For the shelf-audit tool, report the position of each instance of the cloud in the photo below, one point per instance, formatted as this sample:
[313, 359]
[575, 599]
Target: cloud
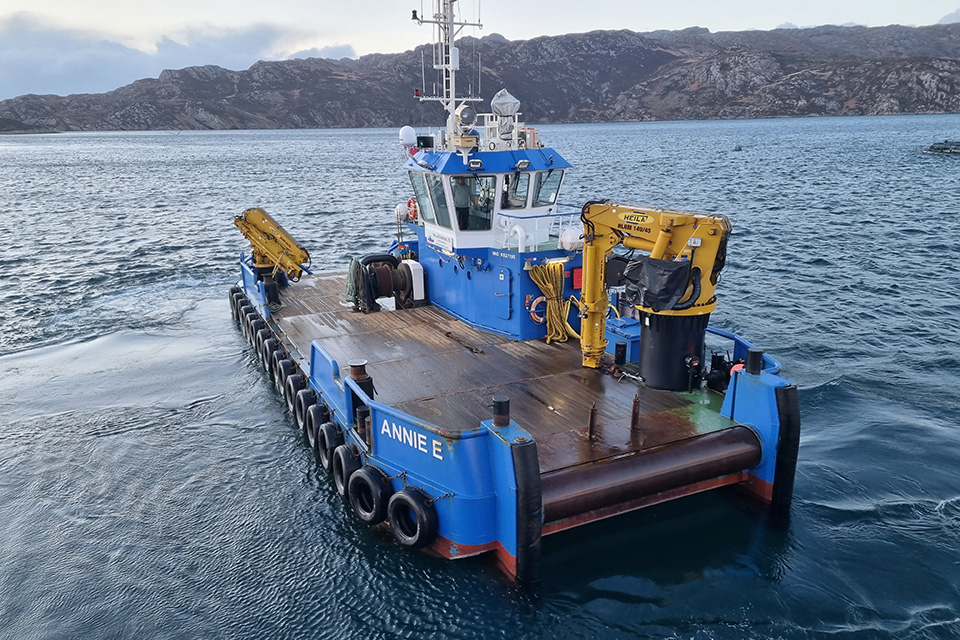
[36, 57]
[334, 53]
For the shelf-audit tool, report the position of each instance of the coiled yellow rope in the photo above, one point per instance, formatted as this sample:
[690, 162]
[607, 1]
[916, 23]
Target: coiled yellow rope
[549, 278]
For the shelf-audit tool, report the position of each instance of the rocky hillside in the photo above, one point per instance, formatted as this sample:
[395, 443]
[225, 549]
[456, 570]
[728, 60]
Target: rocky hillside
[598, 76]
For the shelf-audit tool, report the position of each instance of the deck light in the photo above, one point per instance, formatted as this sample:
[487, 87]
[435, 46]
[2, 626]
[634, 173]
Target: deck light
[476, 164]
[521, 165]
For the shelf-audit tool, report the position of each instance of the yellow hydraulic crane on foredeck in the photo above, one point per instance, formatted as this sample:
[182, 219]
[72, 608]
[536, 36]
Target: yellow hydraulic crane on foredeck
[273, 247]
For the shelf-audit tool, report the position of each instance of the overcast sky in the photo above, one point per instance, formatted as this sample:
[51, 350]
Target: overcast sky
[68, 46]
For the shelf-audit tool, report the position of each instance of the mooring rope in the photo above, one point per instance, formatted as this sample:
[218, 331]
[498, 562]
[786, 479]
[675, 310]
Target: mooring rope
[549, 278]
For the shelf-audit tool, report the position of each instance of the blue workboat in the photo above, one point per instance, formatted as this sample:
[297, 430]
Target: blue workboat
[509, 367]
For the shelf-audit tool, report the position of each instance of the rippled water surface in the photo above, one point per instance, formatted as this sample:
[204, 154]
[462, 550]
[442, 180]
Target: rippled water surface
[151, 484]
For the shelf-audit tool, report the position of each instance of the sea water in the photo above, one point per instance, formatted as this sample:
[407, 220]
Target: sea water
[152, 484]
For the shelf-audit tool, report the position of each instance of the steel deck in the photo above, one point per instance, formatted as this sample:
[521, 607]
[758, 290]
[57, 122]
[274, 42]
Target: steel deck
[434, 367]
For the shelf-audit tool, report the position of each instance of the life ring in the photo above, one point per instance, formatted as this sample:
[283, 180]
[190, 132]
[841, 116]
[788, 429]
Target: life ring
[329, 438]
[346, 460]
[533, 310]
[412, 210]
[292, 385]
[369, 491]
[412, 518]
[304, 399]
[283, 368]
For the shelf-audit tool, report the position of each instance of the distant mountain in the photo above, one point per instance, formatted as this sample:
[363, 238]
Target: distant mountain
[597, 76]
[950, 18]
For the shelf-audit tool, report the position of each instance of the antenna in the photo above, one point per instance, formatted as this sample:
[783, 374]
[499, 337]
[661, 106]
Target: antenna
[446, 57]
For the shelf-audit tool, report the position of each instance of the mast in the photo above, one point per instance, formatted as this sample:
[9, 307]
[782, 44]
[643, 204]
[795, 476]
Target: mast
[446, 58]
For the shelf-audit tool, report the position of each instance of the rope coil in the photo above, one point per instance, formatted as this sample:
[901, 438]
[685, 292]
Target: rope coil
[549, 278]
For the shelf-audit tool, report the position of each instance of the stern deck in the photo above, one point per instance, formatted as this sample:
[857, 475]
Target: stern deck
[430, 365]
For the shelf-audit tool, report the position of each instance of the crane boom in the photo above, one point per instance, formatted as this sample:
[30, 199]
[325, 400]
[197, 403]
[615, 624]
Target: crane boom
[273, 247]
[675, 285]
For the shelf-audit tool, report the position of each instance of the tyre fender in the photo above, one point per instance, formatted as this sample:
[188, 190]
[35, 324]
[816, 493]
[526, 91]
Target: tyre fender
[235, 296]
[243, 313]
[369, 491]
[412, 518]
[283, 369]
[305, 399]
[346, 461]
[328, 439]
[256, 324]
[292, 385]
[266, 352]
[262, 336]
[317, 414]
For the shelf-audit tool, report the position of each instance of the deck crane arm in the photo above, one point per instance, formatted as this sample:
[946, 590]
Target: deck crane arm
[685, 243]
[273, 247]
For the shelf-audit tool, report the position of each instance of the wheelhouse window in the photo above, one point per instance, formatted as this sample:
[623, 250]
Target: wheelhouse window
[439, 199]
[547, 186]
[473, 198]
[515, 186]
[423, 196]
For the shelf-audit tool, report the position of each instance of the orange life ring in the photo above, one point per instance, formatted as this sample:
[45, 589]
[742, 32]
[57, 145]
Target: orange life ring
[533, 310]
[412, 210]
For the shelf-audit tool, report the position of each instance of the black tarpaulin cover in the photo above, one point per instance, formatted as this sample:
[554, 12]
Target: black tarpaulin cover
[656, 284]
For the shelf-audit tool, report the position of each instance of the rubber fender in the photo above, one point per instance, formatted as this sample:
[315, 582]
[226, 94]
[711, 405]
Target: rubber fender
[346, 461]
[267, 350]
[256, 325]
[262, 336]
[292, 385]
[242, 313]
[412, 518]
[316, 414]
[369, 491]
[305, 399]
[239, 302]
[281, 372]
[278, 355]
[235, 294]
[328, 439]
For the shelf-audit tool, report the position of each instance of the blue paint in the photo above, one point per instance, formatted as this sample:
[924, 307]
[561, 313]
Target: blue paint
[468, 472]
[448, 162]
[497, 294]
[751, 400]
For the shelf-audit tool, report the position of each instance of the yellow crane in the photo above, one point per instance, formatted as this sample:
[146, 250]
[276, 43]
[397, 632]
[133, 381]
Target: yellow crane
[674, 287]
[273, 247]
